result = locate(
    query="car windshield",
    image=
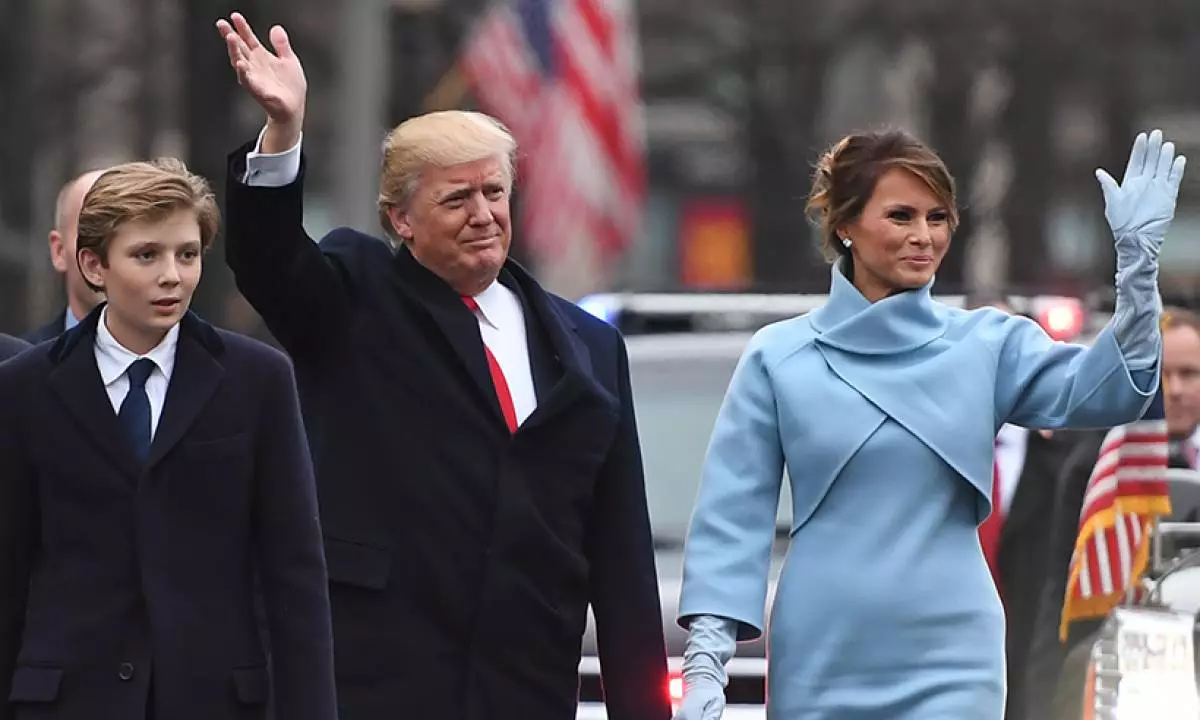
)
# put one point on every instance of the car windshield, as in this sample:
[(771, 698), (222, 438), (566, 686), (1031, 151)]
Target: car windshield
[(678, 386)]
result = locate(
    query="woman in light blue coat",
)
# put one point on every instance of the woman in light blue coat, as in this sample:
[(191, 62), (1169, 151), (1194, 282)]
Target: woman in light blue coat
[(883, 405)]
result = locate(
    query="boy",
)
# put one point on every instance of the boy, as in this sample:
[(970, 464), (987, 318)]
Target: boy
[(151, 468)]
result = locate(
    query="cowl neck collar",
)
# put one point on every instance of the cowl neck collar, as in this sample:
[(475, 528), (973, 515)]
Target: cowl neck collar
[(896, 324)]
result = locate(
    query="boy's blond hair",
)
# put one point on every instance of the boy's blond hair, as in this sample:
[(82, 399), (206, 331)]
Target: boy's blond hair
[(148, 192)]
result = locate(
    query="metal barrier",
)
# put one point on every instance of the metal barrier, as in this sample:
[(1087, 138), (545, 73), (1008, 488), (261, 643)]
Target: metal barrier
[(1143, 664)]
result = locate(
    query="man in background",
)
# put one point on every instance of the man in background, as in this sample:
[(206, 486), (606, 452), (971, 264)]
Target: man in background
[(80, 298), (1181, 382), (1055, 670)]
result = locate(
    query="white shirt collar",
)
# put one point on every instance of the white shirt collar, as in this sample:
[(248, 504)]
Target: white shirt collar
[(492, 302), (113, 359)]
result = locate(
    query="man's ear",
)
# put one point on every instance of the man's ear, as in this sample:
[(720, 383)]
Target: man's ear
[(58, 251), (92, 268), (400, 224)]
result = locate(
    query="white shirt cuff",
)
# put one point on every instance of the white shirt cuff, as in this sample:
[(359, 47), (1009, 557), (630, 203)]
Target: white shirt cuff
[(272, 169)]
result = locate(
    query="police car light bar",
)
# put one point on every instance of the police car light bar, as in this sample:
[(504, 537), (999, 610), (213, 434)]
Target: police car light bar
[(1062, 317)]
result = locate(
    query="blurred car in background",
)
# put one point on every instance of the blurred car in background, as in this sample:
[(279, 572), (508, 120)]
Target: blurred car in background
[(683, 348)]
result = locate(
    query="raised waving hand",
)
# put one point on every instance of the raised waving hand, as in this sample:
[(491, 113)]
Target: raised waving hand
[(274, 79)]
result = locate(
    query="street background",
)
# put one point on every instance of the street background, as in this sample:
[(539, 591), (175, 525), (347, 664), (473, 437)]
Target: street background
[(737, 97)]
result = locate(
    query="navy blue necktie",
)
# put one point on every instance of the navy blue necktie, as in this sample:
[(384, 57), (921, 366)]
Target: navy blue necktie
[(135, 408)]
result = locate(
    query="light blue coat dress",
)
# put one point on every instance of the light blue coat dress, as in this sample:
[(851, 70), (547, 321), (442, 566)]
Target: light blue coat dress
[(885, 416)]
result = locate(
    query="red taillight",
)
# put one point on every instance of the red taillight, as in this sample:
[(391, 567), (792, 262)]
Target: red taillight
[(1062, 318), (675, 690)]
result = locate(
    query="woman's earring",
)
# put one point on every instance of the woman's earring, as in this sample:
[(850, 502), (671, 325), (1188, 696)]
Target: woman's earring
[(846, 242)]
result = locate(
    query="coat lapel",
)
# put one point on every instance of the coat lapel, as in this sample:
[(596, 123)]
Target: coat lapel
[(455, 322), (812, 384), (544, 363), (892, 352), (76, 382), (933, 413), (461, 330), (576, 381), (196, 377)]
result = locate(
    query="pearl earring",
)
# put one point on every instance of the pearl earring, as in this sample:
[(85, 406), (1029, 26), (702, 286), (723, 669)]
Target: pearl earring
[(846, 242)]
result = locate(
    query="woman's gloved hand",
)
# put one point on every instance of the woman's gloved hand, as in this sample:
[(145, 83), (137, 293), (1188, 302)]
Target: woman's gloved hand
[(711, 643), (1139, 211)]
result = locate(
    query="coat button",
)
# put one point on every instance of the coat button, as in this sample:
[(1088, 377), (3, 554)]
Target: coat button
[(126, 671)]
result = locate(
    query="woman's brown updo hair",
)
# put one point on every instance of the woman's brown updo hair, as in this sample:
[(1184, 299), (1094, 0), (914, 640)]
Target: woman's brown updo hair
[(847, 173)]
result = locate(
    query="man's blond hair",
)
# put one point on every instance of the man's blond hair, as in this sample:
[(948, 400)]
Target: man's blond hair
[(438, 139), (148, 192)]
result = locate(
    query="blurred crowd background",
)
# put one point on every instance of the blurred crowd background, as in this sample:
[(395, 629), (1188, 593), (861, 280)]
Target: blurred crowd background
[(733, 101)]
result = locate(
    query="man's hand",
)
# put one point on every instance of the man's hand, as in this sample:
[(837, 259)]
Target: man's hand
[(275, 80)]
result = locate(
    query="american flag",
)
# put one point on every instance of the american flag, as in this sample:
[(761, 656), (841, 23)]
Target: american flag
[(563, 76), (1125, 493)]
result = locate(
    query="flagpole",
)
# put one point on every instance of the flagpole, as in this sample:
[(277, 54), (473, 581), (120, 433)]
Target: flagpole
[(1156, 561), (1156, 543), (449, 91)]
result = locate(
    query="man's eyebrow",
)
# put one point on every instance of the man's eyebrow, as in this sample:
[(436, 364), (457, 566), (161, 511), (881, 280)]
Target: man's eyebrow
[(455, 194), (464, 191)]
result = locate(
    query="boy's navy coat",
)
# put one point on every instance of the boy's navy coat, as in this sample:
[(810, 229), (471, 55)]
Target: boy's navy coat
[(117, 576)]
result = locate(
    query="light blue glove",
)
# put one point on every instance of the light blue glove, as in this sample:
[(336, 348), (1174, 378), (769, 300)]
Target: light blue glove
[(1139, 211), (711, 643)]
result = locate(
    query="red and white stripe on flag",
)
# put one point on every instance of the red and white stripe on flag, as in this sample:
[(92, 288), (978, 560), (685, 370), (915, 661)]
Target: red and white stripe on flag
[(1127, 490), (563, 76)]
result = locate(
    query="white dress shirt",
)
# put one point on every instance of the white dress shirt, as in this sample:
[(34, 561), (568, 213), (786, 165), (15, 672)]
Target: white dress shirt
[(272, 169), (501, 319), (1011, 443), (502, 325), (113, 361), (1193, 450)]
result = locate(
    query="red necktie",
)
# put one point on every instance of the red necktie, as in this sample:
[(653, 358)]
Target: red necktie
[(501, 385), (989, 531)]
